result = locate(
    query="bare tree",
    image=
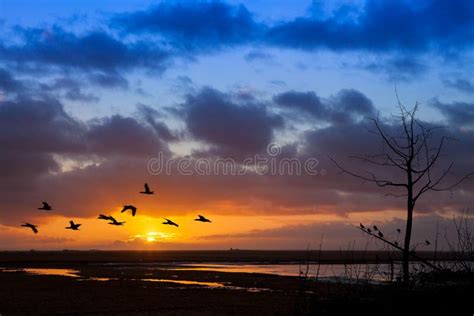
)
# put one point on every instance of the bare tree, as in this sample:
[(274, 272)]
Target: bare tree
[(413, 152)]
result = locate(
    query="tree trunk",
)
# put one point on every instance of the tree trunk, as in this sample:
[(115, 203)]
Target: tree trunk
[(406, 247), (409, 224)]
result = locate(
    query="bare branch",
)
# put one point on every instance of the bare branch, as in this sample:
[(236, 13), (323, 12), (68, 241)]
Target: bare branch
[(430, 162), (399, 248), (389, 161), (379, 182), (432, 186), (387, 141), (449, 188)]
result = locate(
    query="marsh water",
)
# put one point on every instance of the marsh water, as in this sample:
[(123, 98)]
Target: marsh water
[(323, 272), (206, 269)]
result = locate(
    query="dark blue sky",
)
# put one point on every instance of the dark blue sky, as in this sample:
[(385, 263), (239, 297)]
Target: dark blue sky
[(423, 47)]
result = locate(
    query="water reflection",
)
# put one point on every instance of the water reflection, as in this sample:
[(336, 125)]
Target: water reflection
[(280, 269), (186, 282), (76, 274), (373, 272), (328, 272), (99, 279), (46, 271), (212, 285)]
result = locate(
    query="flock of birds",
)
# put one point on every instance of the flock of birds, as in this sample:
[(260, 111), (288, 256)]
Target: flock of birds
[(201, 218), (113, 221)]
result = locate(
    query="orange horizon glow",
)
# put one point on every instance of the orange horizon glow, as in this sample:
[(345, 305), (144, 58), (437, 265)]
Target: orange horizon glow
[(144, 232)]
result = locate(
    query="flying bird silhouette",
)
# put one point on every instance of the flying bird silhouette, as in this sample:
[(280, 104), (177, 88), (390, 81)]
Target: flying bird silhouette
[(147, 190), (45, 207), (33, 227), (106, 217), (113, 221), (73, 226), (131, 208), (427, 242), (170, 222), (202, 219)]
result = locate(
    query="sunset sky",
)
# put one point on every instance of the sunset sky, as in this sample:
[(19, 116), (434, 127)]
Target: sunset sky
[(95, 94)]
